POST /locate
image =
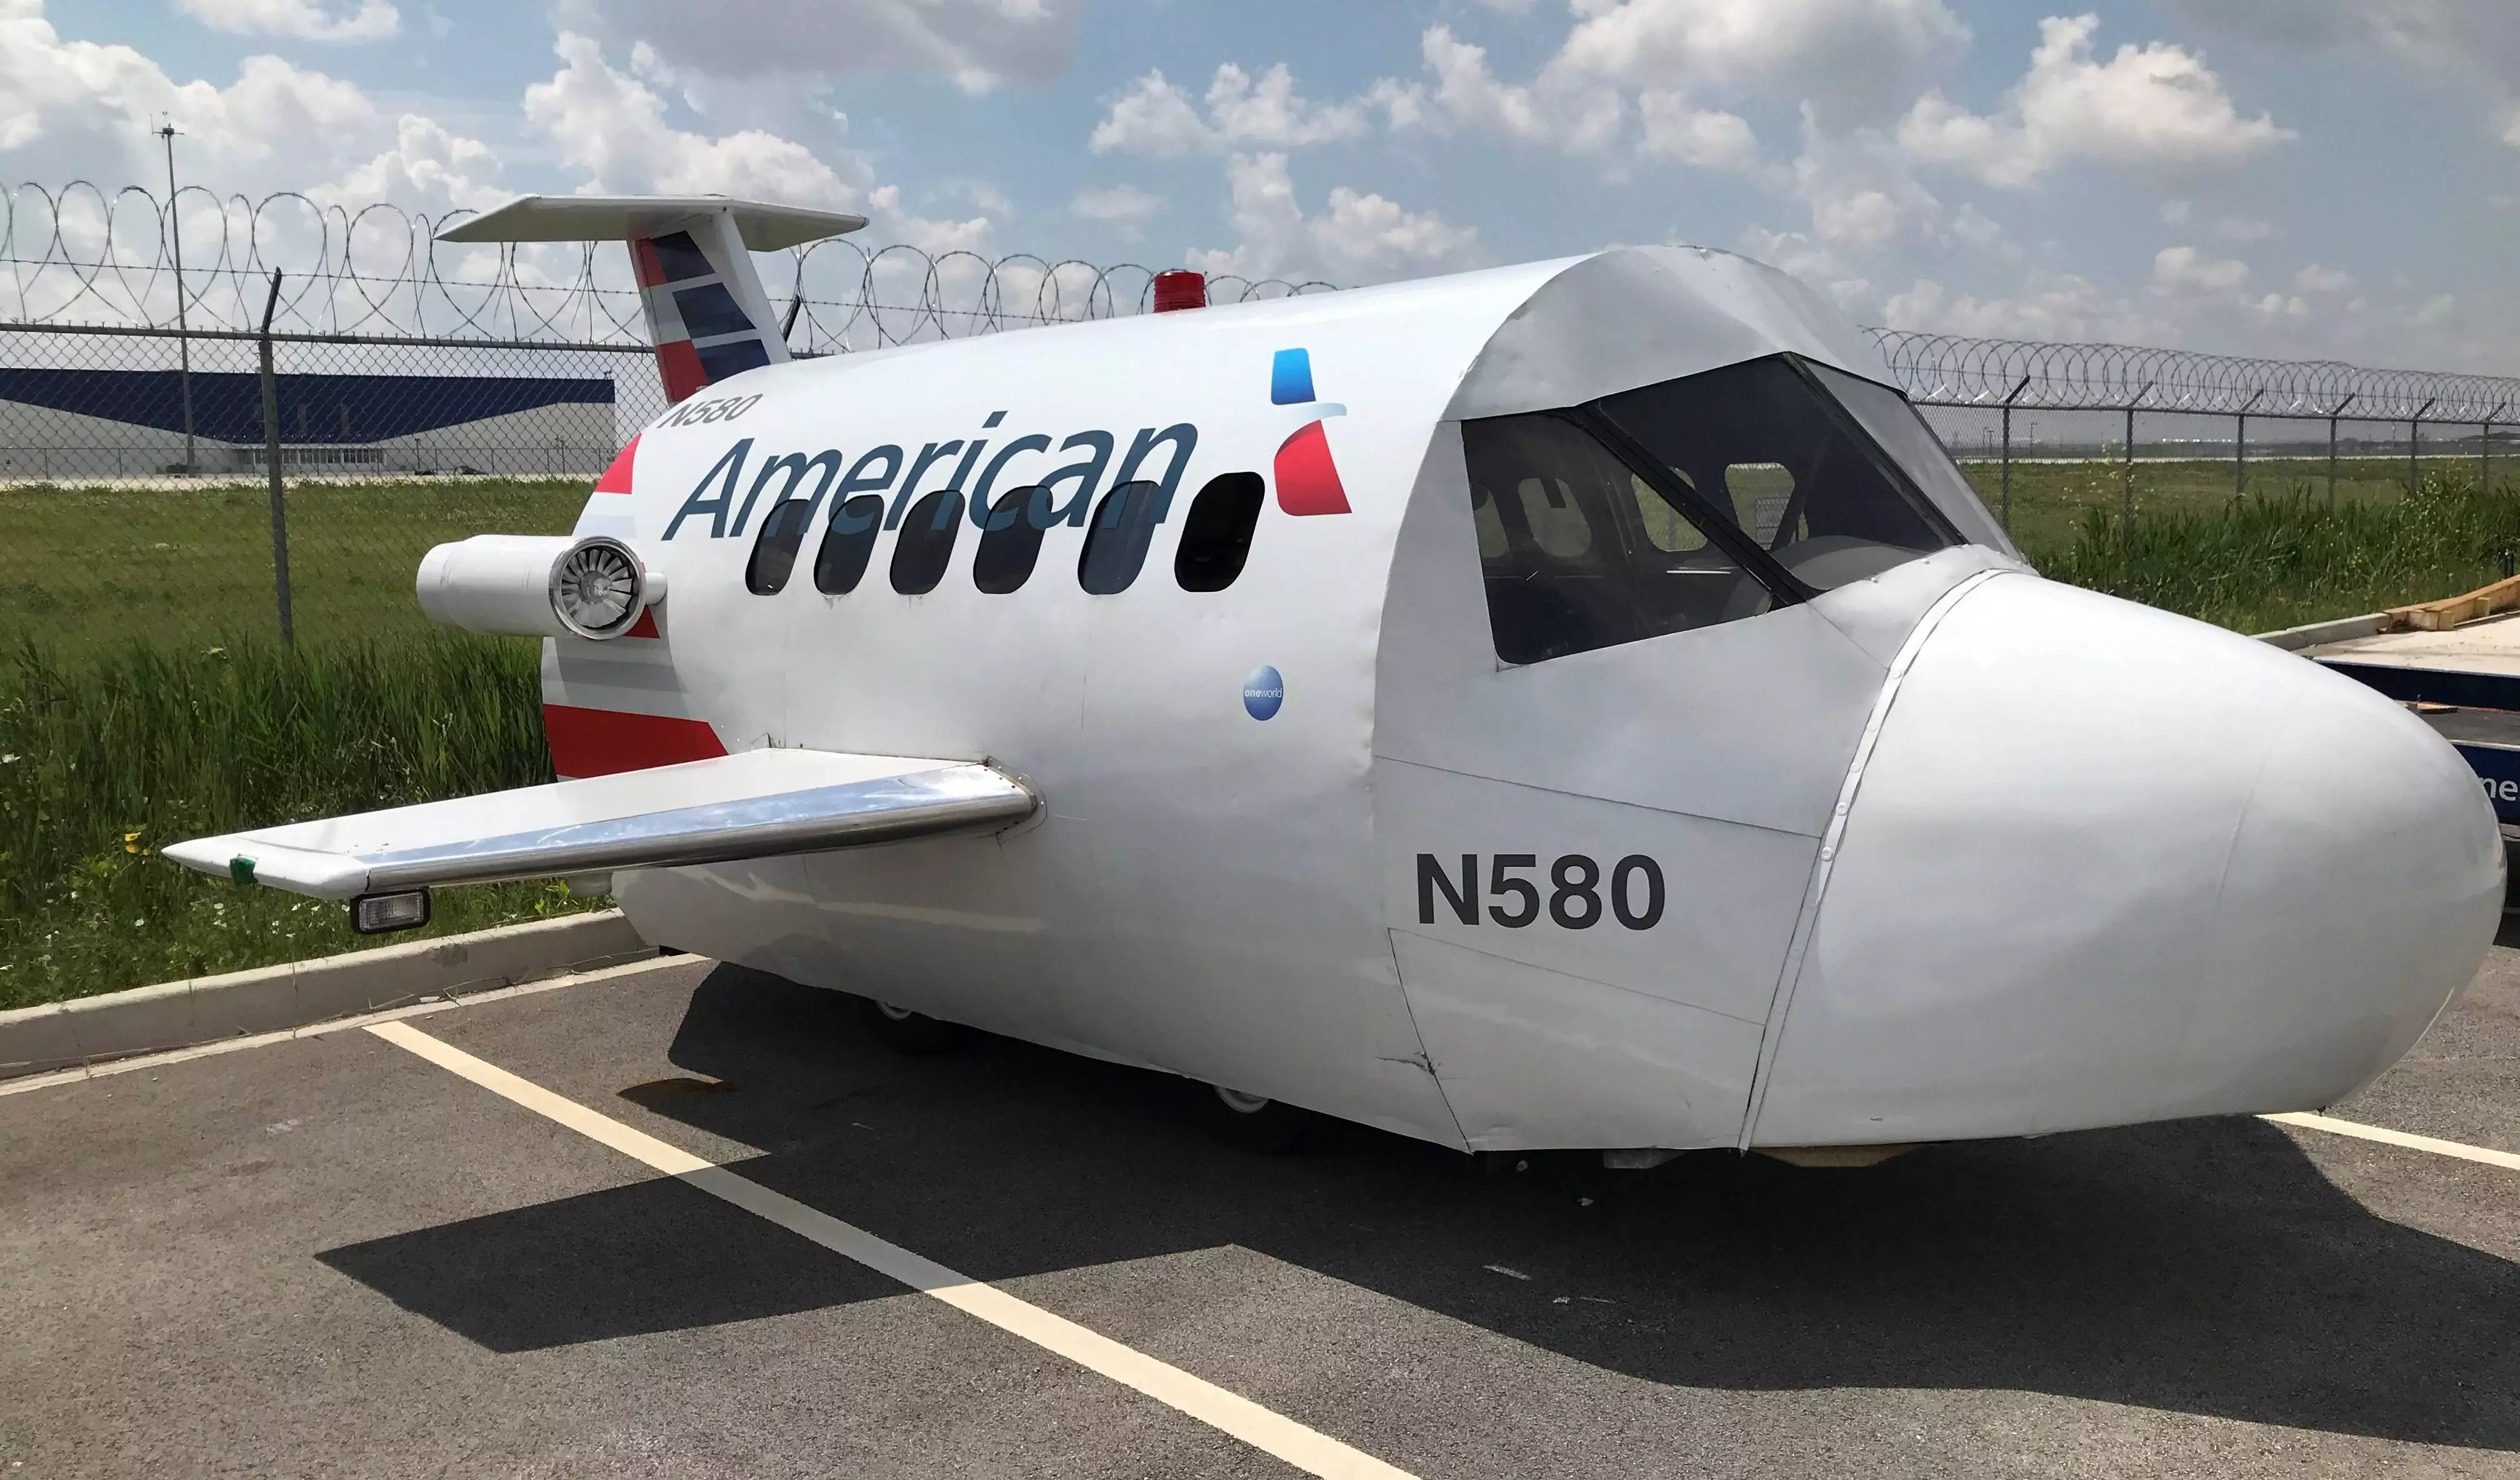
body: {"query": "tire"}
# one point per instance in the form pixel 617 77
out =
pixel 906 1032
pixel 1252 1122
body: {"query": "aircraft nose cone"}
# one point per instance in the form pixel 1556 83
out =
pixel 2106 865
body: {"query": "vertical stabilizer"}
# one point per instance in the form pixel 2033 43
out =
pixel 708 314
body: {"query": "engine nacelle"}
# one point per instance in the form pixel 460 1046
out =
pixel 538 585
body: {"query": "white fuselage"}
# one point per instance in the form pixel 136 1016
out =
pixel 1950 851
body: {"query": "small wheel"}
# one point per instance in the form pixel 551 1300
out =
pixel 907 1032
pixel 1256 1123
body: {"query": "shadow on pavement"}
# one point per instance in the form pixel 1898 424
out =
pixel 2203 1267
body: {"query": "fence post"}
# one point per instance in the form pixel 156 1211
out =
pixel 2416 447
pixel 2485 449
pixel 271 465
pixel 2007 450
pixel 2240 447
pixel 2333 411
pixel 2128 512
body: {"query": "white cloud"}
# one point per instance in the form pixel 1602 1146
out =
pixel 612 126
pixel 2185 269
pixel 931 235
pixel 2472 44
pixel 2155 105
pixel 981 44
pixel 1157 119
pixel 1154 117
pixel 1125 207
pixel 1359 238
pixel 2318 278
pixel 89 108
pixel 429 168
pixel 2276 305
pixel 1560 110
pixel 1794 252
pixel 2244 229
pixel 1707 139
pixel 2436 309
pixel 2056 306
pixel 299 20
pixel 1860 58
pixel 1860 190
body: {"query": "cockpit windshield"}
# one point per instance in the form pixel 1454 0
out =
pixel 1702 501
pixel 1768 444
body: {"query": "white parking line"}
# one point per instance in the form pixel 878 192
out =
pixel 2386 1137
pixel 1306 1449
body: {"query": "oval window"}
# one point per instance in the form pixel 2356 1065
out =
pixel 774 552
pixel 1216 537
pixel 926 542
pixel 1116 541
pixel 841 562
pixel 1009 546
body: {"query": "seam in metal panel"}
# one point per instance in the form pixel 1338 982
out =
pixel 1808 920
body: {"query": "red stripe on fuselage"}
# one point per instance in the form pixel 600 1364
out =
pixel 602 742
pixel 616 478
pixel 679 365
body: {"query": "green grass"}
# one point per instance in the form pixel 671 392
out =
pixel 2265 561
pixel 86 569
pixel 105 760
pixel 2049 500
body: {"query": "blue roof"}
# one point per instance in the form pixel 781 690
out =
pixel 227 407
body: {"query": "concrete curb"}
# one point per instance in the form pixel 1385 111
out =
pixel 177 1014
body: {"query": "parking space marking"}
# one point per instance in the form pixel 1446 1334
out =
pixel 2386 1137
pixel 1306 1449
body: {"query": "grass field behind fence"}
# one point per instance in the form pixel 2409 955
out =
pixel 83 569
pixel 144 699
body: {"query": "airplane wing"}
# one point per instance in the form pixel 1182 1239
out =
pixel 753 804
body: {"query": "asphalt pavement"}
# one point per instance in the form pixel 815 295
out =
pixel 330 1256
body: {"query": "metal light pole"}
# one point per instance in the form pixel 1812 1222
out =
pixel 183 341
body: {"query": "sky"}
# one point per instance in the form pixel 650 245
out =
pixel 2295 178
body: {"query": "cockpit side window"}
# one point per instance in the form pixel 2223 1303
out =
pixel 1768 444
pixel 1579 551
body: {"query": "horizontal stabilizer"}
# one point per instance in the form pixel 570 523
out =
pixel 763 225
pixel 755 804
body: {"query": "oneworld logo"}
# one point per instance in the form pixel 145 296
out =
pixel 1263 693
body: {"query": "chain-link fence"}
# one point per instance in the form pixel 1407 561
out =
pixel 419 393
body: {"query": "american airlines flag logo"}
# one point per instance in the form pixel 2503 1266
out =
pixel 1308 479
pixel 702 334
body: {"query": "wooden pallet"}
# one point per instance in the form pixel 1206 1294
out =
pixel 2450 611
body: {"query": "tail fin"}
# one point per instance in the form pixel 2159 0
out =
pixel 706 312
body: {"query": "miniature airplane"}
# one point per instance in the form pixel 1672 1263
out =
pixel 1568 705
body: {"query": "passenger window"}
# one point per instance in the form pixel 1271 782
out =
pixel 841 562
pixel 1549 511
pixel 926 542
pixel 1763 494
pixel 1216 537
pixel 1665 526
pixel 1584 554
pixel 1490 524
pixel 1116 541
pixel 1770 444
pixel 774 552
pixel 1004 560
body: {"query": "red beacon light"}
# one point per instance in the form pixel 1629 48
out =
pixel 1179 288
